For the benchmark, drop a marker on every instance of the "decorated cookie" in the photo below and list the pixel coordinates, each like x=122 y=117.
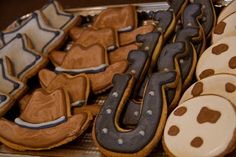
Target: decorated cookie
x=130 y=37
x=178 y=6
x=80 y=59
x=208 y=19
x=218 y=58
x=44 y=38
x=86 y=37
x=57 y=17
x=9 y=84
x=188 y=61
x=220 y=84
x=26 y=62
x=121 y=53
x=36 y=124
x=102 y=81
x=190 y=18
x=197 y=127
x=231 y=8
x=77 y=86
x=93 y=108
x=6 y=103
x=120 y=19
x=111 y=139
x=226 y=27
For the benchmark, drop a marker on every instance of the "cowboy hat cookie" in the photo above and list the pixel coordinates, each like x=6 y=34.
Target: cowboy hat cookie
x=222 y=52
x=77 y=86
x=57 y=17
x=120 y=19
x=49 y=130
x=6 y=103
x=220 y=84
x=78 y=59
x=121 y=53
x=26 y=62
x=130 y=37
x=86 y=37
x=44 y=38
x=197 y=127
x=226 y=27
x=111 y=139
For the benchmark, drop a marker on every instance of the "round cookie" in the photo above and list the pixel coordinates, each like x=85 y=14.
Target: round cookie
x=226 y=27
x=231 y=8
x=198 y=128
x=221 y=84
x=218 y=58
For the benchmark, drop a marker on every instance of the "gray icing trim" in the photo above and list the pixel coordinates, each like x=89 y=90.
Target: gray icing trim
x=99 y=68
x=3 y=99
x=78 y=103
x=125 y=29
x=40 y=125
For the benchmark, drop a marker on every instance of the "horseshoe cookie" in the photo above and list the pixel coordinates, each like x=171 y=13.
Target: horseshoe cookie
x=9 y=84
x=80 y=59
x=57 y=17
x=130 y=37
x=78 y=86
x=26 y=62
x=86 y=37
x=231 y=8
x=220 y=84
x=185 y=131
x=121 y=53
x=208 y=19
x=49 y=130
x=190 y=18
x=114 y=141
x=44 y=38
x=226 y=27
x=120 y=19
x=189 y=60
x=222 y=52
x=178 y=6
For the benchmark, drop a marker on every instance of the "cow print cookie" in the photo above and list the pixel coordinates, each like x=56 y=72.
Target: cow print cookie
x=226 y=27
x=231 y=8
x=198 y=128
x=218 y=58
x=220 y=84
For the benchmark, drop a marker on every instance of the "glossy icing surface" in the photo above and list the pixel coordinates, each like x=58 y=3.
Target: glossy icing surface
x=195 y=127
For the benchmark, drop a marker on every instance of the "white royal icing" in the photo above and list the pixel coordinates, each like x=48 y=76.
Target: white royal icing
x=216 y=136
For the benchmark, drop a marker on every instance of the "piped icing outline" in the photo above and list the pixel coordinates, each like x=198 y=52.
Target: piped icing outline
x=18 y=87
x=28 y=69
x=58 y=9
x=5 y=101
x=58 y=34
x=43 y=125
x=110 y=138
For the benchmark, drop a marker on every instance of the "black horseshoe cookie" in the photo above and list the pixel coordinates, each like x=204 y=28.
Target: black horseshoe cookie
x=190 y=18
x=177 y=6
x=208 y=19
x=114 y=141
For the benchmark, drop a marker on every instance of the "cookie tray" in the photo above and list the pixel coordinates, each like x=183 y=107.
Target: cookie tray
x=83 y=145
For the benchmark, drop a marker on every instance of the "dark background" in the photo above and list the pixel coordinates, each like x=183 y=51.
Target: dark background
x=10 y=10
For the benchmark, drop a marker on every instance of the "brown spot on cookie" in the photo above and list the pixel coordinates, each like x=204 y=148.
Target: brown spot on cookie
x=206 y=73
x=208 y=115
x=232 y=62
x=229 y=87
x=173 y=130
x=220 y=27
x=197 y=89
x=217 y=50
x=197 y=142
x=180 y=111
